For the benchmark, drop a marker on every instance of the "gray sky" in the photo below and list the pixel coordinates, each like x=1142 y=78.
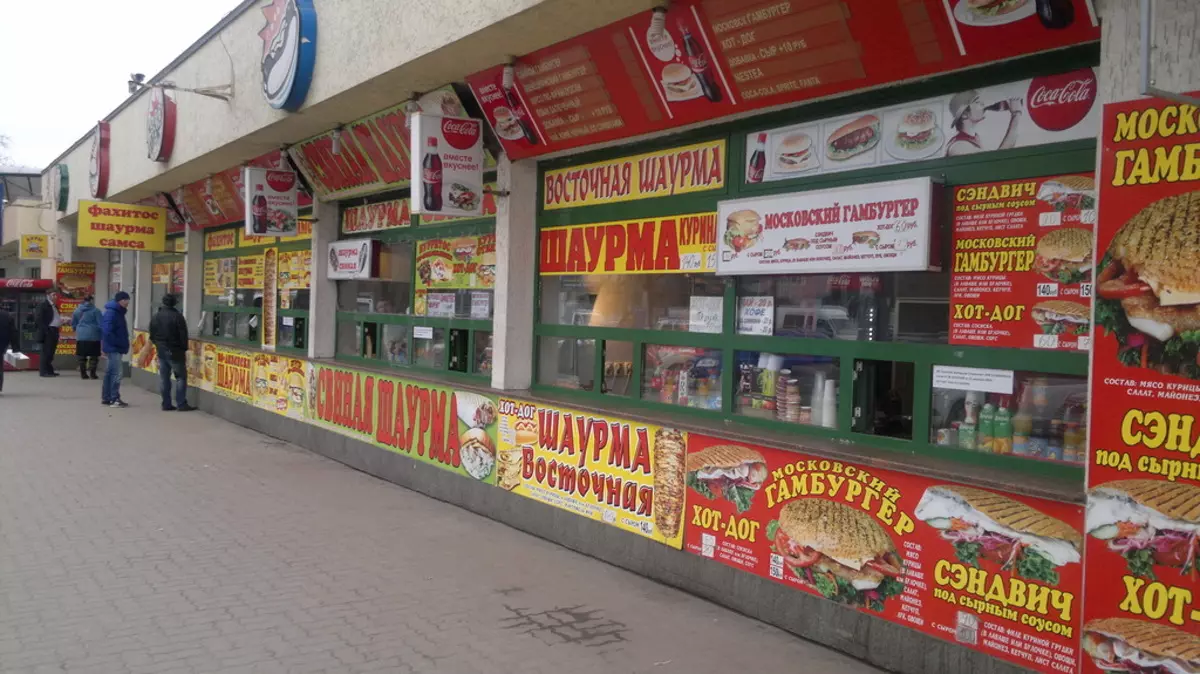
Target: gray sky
x=65 y=62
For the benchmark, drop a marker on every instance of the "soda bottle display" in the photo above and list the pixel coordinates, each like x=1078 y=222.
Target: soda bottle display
x=431 y=178
x=258 y=208
x=518 y=110
x=700 y=65
x=758 y=160
x=1056 y=14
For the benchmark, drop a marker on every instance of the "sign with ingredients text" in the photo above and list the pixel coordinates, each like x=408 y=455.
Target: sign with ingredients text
x=104 y=224
x=684 y=244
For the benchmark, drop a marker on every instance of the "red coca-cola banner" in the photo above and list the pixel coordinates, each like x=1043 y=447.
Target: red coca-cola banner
x=705 y=59
x=995 y=572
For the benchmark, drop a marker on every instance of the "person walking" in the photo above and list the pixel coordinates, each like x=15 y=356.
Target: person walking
x=114 y=342
x=47 y=321
x=169 y=333
x=86 y=321
x=8 y=339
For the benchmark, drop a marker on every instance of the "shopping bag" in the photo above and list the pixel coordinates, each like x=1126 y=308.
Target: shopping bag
x=16 y=359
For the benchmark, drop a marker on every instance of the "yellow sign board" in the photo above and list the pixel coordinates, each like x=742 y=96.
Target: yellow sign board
x=251 y=272
x=105 y=224
x=226 y=239
x=35 y=246
x=674 y=244
x=679 y=170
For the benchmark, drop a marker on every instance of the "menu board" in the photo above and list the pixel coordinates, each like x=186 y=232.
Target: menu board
x=994 y=572
x=1143 y=605
x=295 y=270
x=161 y=273
x=460 y=263
x=251 y=272
x=702 y=60
x=1022 y=270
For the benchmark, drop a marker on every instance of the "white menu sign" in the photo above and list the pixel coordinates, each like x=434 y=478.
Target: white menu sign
x=351 y=259
x=272 y=201
x=859 y=228
x=447 y=165
x=756 y=315
x=973 y=379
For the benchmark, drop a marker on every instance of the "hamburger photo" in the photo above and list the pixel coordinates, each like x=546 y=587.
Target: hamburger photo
x=868 y=238
x=987 y=9
x=917 y=130
x=796 y=244
x=464 y=248
x=75 y=286
x=838 y=550
x=1061 y=317
x=984 y=526
x=742 y=230
x=1140 y=647
x=853 y=138
x=1148 y=288
x=731 y=472
x=794 y=153
x=680 y=83
x=1065 y=256
x=1151 y=523
x=1069 y=192
x=464 y=197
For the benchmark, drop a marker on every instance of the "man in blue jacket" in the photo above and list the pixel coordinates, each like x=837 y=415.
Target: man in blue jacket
x=114 y=342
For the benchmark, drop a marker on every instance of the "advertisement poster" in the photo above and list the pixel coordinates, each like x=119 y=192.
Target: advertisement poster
x=685 y=244
x=626 y=474
x=34 y=246
x=160 y=272
x=271 y=201
x=234 y=374
x=679 y=170
x=461 y=263
x=377 y=217
x=353 y=259
x=487 y=209
x=863 y=228
x=1021 y=275
x=75 y=280
x=66 y=333
x=454 y=430
x=1143 y=611
x=996 y=573
x=1042 y=110
x=280 y=384
x=251 y=272
x=121 y=226
x=696 y=61
x=143 y=355
x=295 y=270
x=270 y=298
x=219 y=199
x=448 y=164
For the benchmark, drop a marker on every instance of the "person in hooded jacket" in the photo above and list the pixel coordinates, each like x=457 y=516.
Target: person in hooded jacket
x=86 y=321
x=114 y=342
x=169 y=332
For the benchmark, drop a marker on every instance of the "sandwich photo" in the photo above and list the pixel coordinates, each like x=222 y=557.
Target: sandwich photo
x=1148 y=288
x=670 y=491
x=984 y=526
x=839 y=550
x=680 y=83
x=1069 y=192
x=477 y=452
x=729 y=471
x=917 y=131
x=1065 y=255
x=1061 y=317
x=989 y=9
x=486 y=271
x=794 y=153
x=1140 y=647
x=742 y=230
x=853 y=138
x=1148 y=522
x=464 y=248
x=870 y=239
x=796 y=244
x=75 y=286
x=464 y=197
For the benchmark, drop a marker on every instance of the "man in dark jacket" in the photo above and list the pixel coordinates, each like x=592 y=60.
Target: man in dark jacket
x=8 y=339
x=114 y=342
x=169 y=332
x=47 y=321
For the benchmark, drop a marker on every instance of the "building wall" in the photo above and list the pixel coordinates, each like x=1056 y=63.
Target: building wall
x=1175 y=40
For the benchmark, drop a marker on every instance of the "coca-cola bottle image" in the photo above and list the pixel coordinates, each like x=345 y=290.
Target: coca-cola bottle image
x=518 y=110
x=758 y=160
x=258 y=208
x=1056 y=14
x=431 y=178
x=700 y=65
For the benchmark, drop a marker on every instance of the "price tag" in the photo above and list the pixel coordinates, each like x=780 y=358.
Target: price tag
x=689 y=262
x=1085 y=342
x=1085 y=290
x=1045 y=341
x=710 y=261
x=1047 y=290
x=1088 y=217
x=1053 y=219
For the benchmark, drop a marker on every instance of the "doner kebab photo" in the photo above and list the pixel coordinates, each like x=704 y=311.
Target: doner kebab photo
x=1151 y=523
x=1140 y=646
x=733 y=472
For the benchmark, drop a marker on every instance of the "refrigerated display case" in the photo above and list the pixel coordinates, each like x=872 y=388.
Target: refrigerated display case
x=21 y=297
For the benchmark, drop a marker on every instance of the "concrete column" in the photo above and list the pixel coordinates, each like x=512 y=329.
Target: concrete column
x=516 y=268
x=322 y=311
x=142 y=308
x=1174 y=54
x=193 y=280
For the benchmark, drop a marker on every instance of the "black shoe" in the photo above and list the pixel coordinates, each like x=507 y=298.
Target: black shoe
x=168 y=408
x=83 y=375
x=120 y=404
x=186 y=408
x=93 y=375
x=106 y=403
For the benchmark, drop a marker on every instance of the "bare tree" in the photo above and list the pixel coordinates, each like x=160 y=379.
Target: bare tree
x=5 y=159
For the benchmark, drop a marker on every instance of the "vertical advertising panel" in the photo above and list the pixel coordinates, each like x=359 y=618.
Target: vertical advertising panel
x=1143 y=513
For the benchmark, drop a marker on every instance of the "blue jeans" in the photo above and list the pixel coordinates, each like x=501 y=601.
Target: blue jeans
x=110 y=389
x=166 y=367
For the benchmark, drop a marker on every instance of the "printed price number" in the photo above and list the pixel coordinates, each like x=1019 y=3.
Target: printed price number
x=1047 y=290
x=1085 y=290
x=1045 y=341
x=1157 y=601
x=735 y=528
x=710 y=261
x=1053 y=219
x=998 y=313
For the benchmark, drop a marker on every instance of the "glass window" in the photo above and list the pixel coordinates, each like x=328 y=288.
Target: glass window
x=793 y=388
x=618 y=368
x=567 y=363
x=908 y=306
x=682 y=375
x=883 y=398
x=483 y=352
x=347 y=338
x=294 y=299
x=220 y=277
x=228 y=324
x=429 y=351
x=392 y=294
x=1025 y=414
x=286 y=331
x=243 y=328
x=370 y=340
x=639 y=301
x=395 y=347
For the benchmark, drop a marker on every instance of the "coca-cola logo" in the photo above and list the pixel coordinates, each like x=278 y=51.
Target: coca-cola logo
x=461 y=134
x=1059 y=102
x=281 y=181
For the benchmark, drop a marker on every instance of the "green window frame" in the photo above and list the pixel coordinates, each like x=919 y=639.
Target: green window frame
x=1067 y=157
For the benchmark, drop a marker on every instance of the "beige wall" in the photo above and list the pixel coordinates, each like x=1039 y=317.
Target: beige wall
x=1175 y=40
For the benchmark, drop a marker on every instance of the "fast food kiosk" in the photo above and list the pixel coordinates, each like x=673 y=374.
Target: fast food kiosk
x=21 y=297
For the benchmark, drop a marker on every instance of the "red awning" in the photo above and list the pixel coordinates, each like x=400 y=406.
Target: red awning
x=26 y=283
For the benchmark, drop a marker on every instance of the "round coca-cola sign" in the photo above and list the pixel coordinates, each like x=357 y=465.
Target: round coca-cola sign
x=461 y=134
x=160 y=126
x=98 y=165
x=1059 y=102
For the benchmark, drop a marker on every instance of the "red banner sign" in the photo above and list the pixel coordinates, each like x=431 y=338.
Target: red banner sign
x=701 y=60
x=996 y=573
x=217 y=200
x=1022 y=271
x=1143 y=605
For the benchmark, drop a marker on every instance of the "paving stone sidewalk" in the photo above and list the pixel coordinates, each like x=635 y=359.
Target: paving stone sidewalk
x=137 y=541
